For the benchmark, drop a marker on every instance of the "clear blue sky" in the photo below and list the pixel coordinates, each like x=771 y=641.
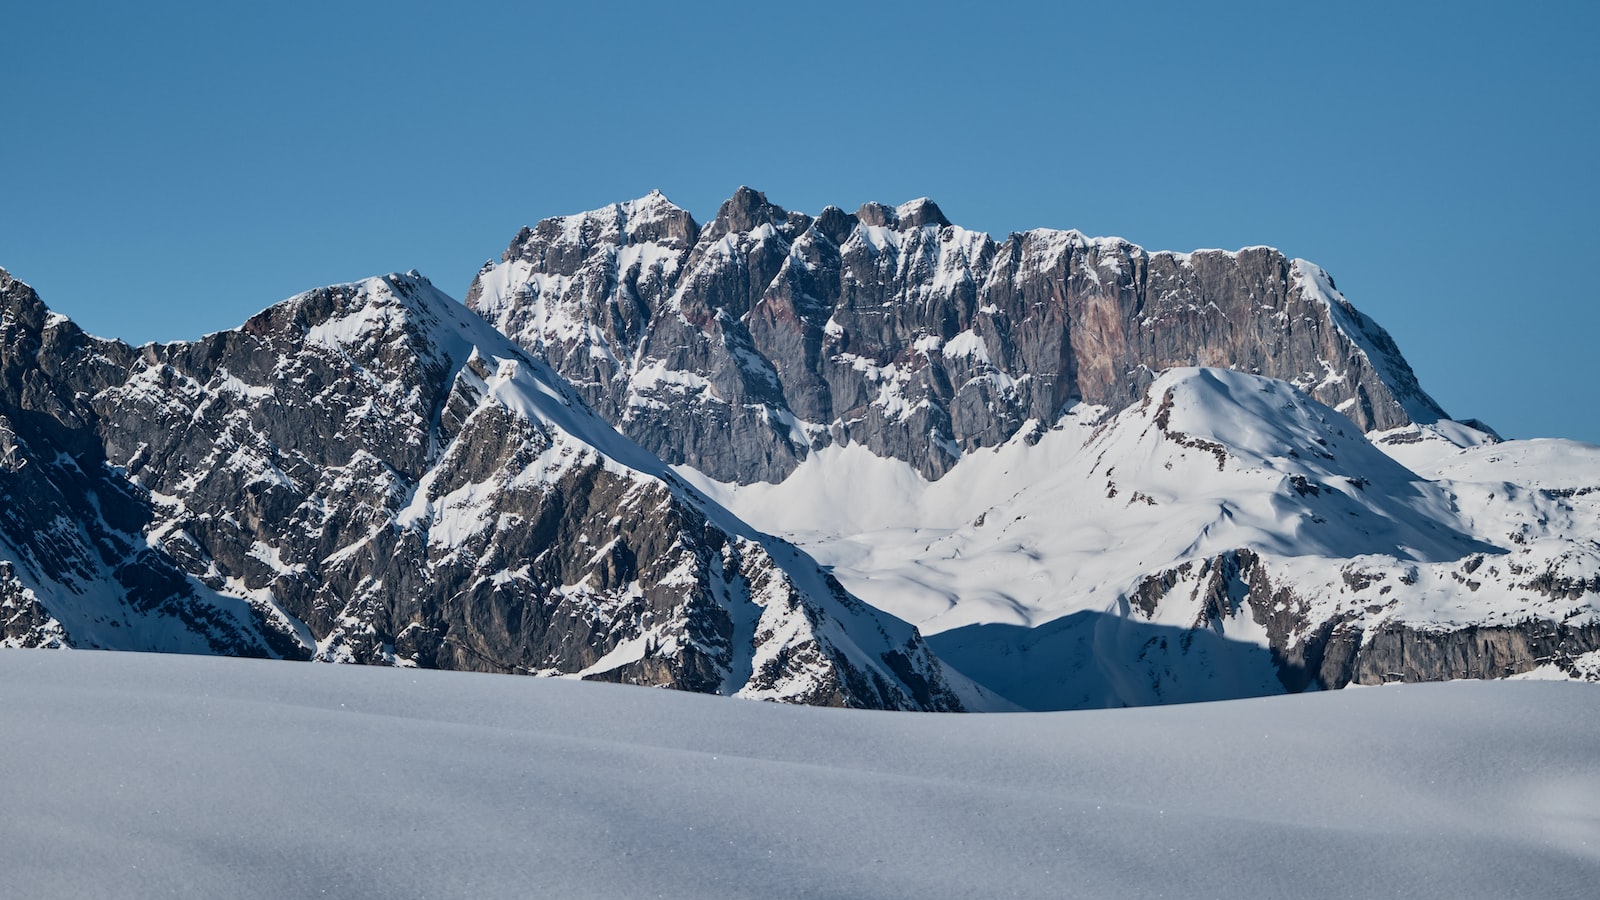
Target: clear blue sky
x=168 y=169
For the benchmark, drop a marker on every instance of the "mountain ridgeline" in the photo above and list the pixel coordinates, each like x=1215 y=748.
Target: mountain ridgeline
x=370 y=473
x=863 y=459
x=740 y=347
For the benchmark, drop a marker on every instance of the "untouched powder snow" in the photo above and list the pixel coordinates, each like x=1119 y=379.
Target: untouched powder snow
x=146 y=775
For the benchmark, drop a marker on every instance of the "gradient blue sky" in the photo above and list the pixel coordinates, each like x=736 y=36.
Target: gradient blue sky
x=168 y=169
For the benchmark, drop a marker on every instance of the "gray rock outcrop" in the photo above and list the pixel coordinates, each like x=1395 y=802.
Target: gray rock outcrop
x=1356 y=646
x=370 y=473
x=740 y=346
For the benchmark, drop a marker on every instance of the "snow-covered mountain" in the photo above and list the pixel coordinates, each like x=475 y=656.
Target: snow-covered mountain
x=1087 y=474
x=1009 y=445
x=741 y=347
x=371 y=473
x=1227 y=536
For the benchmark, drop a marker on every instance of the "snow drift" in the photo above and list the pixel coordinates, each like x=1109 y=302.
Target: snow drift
x=147 y=776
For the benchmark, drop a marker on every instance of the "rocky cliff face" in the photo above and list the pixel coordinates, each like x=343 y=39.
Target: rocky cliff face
x=741 y=347
x=1373 y=633
x=1003 y=444
x=369 y=473
x=75 y=567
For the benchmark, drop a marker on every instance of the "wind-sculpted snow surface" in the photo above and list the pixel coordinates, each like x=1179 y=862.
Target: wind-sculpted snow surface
x=742 y=347
x=155 y=776
x=371 y=473
x=1226 y=536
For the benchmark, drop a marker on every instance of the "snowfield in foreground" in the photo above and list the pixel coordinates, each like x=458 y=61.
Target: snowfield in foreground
x=145 y=775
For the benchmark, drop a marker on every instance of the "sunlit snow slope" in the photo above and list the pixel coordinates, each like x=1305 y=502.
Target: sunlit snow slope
x=152 y=776
x=1009 y=443
x=1228 y=536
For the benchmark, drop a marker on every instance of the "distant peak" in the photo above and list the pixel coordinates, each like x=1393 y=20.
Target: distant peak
x=654 y=218
x=747 y=210
x=835 y=223
x=919 y=212
x=381 y=296
x=649 y=219
x=911 y=214
x=652 y=205
x=877 y=215
x=17 y=295
x=8 y=282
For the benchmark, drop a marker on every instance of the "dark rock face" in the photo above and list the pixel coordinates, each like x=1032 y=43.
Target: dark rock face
x=1314 y=650
x=369 y=473
x=739 y=347
x=1403 y=653
x=71 y=528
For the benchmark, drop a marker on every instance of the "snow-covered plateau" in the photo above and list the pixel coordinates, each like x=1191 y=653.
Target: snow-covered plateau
x=146 y=775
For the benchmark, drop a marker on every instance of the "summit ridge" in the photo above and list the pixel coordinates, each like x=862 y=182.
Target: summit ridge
x=861 y=459
x=741 y=347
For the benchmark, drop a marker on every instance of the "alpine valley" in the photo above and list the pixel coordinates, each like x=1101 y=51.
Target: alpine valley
x=865 y=459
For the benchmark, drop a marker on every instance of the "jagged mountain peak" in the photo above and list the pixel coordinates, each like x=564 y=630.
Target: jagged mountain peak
x=911 y=214
x=417 y=347
x=369 y=472
x=924 y=341
x=391 y=317
x=655 y=218
x=748 y=211
x=835 y=224
x=562 y=243
x=652 y=207
x=1051 y=243
x=747 y=208
x=19 y=301
x=920 y=212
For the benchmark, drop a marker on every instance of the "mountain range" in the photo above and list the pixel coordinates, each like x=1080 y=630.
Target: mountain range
x=863 y=459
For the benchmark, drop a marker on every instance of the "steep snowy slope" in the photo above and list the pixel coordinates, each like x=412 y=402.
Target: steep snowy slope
x=382 y=477
x=156 y=776
x=1227 y=536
